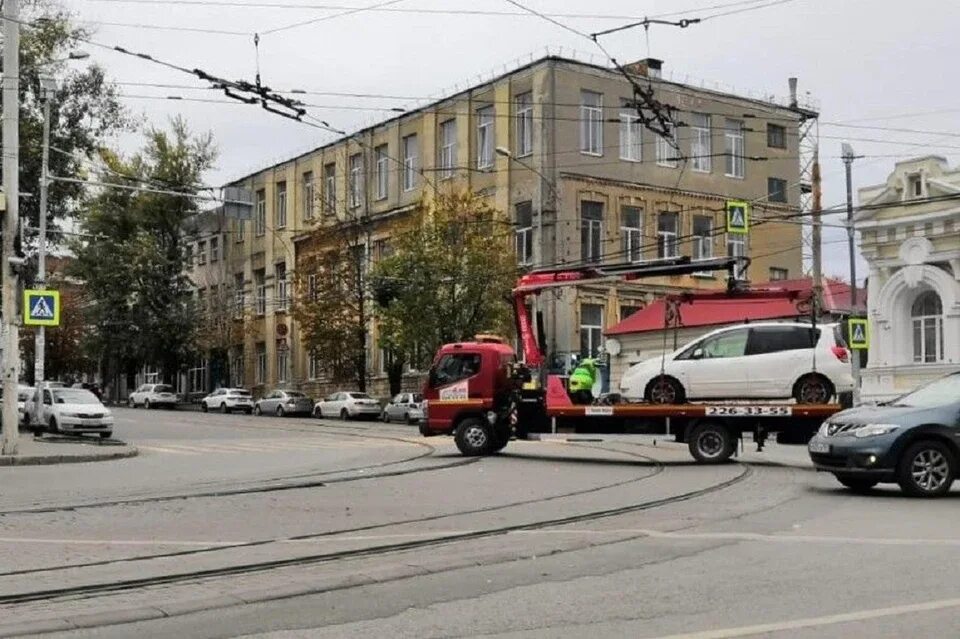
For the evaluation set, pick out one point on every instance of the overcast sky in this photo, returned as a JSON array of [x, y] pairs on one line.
[[875, 64]]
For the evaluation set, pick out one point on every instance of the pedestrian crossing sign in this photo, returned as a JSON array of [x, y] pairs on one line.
[[738, 217], [41, 308], [858, 333]]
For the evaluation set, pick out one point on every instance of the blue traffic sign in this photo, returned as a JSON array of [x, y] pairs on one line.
[[41, 308]]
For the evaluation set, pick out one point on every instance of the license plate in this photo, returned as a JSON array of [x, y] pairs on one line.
[[748, 411], [817, 446], [90, 422]]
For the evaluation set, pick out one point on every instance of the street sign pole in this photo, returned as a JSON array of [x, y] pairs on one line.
[[11, 219]]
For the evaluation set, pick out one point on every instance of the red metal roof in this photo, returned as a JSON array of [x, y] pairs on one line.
[[720, 311]]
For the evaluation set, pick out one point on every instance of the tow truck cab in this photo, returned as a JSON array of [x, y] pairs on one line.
[[470, 381]]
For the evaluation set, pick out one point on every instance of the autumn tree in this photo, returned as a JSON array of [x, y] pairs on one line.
[[331, 303], [449, 277]]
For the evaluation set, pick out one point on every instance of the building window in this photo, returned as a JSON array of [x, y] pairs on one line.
[[197, 377], [776, 136], [239, 229], [915, 185], [214, 250], [201, 302], [260, 221], [260, 291], [702, 238], [485, 137], [591, 328], [700, 143], [410, 156], [188, 255], [776, 189], [667, 148], [448, 148], [308, 195], [591, 123], [524, 233], [356, 180], [926, 315], [280, 276], [737, 247], [631, 232], [524, 124], [239, 300], [330, 188], [383, 171], [236, 368], [202, 252], [261, 372], [668, 226], [280, 218], [313, 366], [283, 363], [312, 287], [631, 145], [778, 274], [733, 141], [591, 231]]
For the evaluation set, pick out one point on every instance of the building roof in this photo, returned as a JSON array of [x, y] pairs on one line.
[[714, 311]]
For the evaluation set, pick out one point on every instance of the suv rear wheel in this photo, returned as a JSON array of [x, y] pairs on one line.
[[813, 389], [664, 389], [927, 469]]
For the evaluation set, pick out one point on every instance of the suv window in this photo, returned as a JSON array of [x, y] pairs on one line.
[[731, 344], [416, 398], [162, 388], [454, 367], [775, 339], [398, 399]]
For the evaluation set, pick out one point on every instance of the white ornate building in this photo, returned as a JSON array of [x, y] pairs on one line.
[[910, 236]]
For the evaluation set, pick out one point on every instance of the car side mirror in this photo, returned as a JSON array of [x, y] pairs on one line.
[[697, 353]]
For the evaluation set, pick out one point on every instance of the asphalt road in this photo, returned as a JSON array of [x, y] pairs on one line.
[[229, 525]]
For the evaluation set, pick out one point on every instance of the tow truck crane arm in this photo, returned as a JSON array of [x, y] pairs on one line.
[[539, 280]]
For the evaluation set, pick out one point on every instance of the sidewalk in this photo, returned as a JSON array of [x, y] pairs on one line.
[[66, 450]]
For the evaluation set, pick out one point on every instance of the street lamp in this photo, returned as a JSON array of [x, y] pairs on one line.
[[848, 158]]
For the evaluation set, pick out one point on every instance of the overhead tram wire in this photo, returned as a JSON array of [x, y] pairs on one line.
[[348, 12]]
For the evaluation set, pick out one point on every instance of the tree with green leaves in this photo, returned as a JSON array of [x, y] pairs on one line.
[[132, 258], [449, 278], [85, 111]]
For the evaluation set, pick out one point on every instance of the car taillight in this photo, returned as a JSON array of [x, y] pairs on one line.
[[841, 353]]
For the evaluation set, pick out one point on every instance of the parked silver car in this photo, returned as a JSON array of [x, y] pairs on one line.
[[405, 407], [153, 395], [283, 402]]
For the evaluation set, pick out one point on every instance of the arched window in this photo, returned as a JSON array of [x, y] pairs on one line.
[[927, 319]]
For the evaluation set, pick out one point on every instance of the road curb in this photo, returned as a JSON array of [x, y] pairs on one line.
[[43, 460]]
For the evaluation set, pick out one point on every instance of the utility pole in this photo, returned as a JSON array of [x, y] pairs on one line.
[[848, 158], [817, 235], [47, 88], [11, 219]]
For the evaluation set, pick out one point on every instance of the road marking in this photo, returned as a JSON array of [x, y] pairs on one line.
[[264, 446], [163, 449], [117, 542], [813, 622]]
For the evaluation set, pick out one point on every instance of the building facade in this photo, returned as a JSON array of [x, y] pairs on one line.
[[557, 146], [910, 236]]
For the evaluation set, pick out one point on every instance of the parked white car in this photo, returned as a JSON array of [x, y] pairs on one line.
[[227, 400], [404, 407], [152, 396], [347, 406], [73, 411], [755, 361], [25, 395]]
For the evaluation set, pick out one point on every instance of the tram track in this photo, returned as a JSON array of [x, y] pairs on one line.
[[96, 589]]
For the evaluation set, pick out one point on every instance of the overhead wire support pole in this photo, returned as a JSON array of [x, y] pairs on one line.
[[816, 215], [39, 362], [11, 219]]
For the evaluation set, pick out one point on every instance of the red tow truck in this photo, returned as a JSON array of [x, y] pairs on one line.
[[482, 395]]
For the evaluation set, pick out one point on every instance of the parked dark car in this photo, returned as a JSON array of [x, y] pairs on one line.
[[913, 441]]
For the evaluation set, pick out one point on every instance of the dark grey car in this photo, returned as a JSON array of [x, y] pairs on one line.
[[282, 402], [913, 441]]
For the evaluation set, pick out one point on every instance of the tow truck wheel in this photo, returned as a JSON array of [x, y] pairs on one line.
[[665, 390], [500, 440], [474, 437], [856, 483], [711, 443]]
